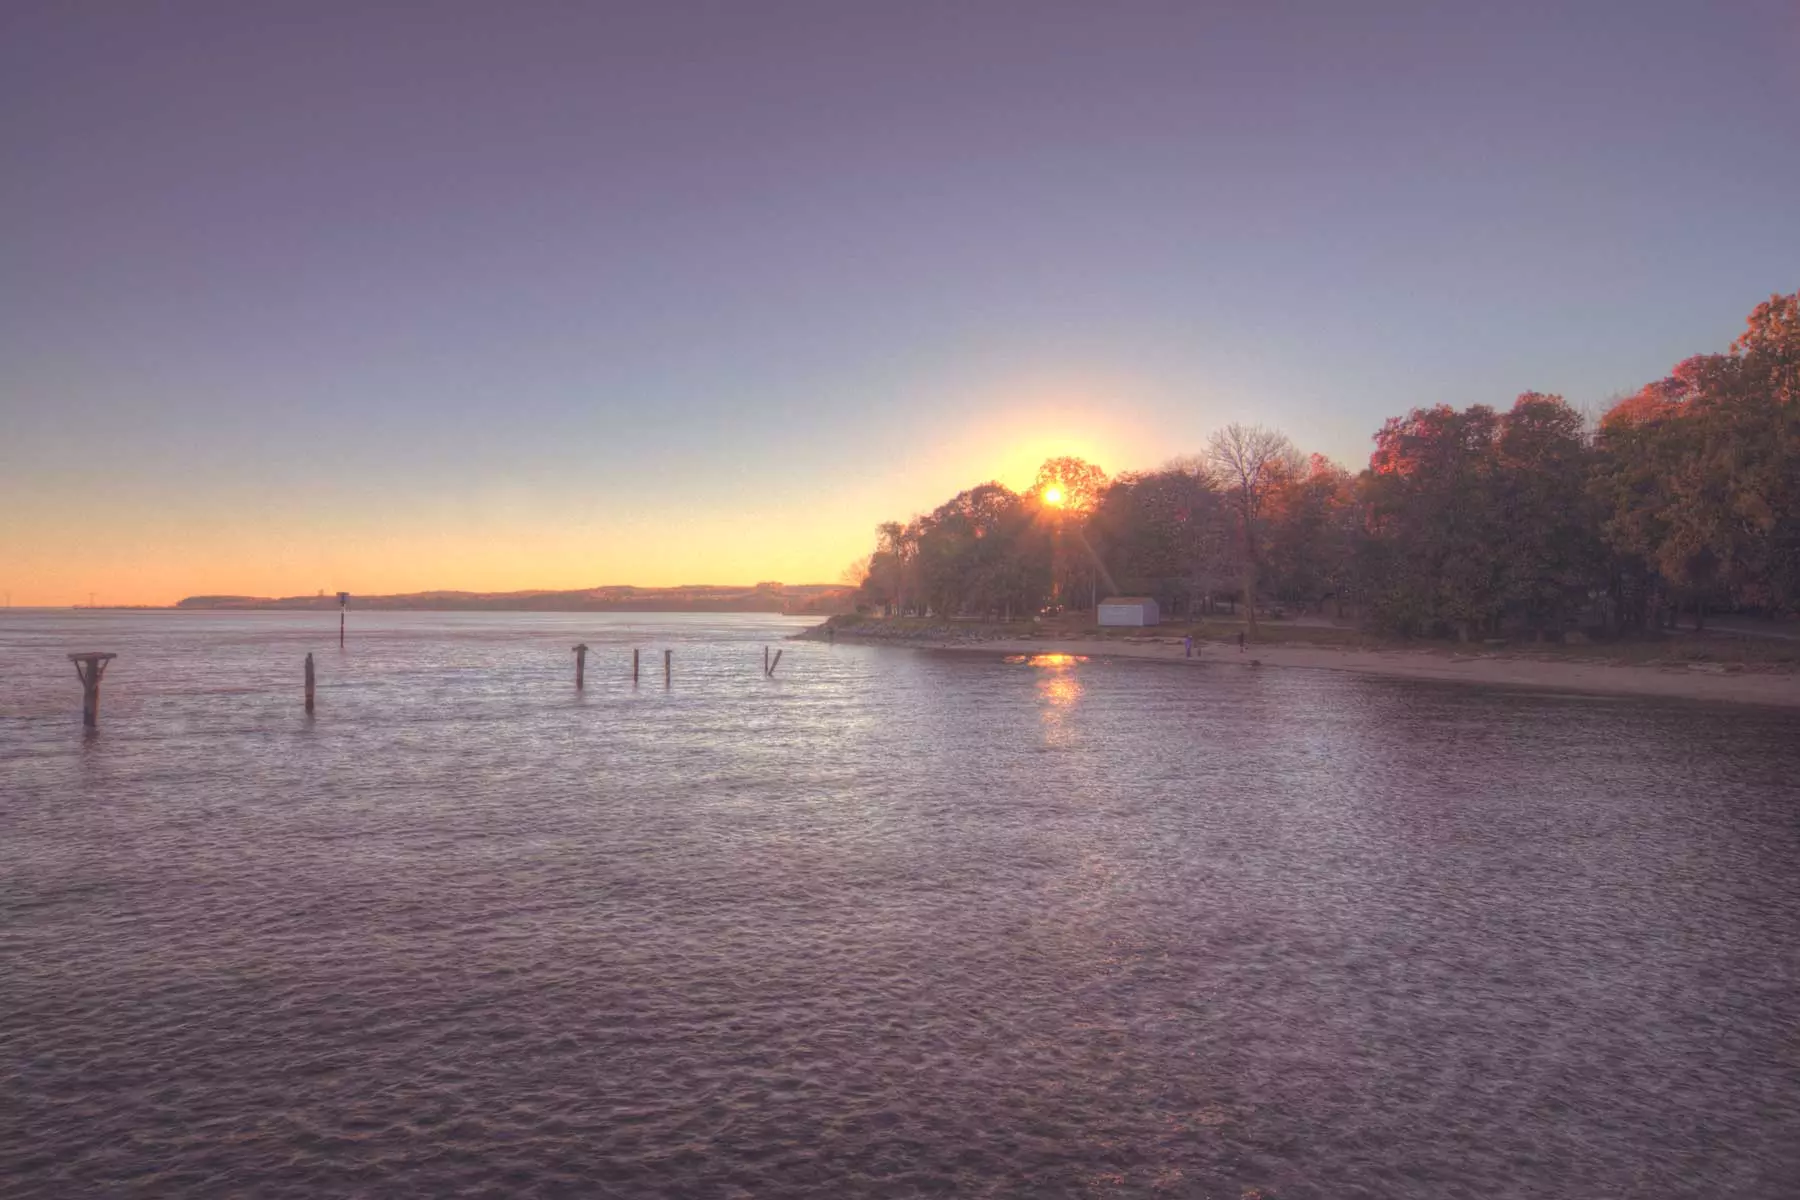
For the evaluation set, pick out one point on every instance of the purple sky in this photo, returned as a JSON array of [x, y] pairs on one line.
[[500, 295]]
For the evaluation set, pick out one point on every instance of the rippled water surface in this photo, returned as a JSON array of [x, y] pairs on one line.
[[887, 924]]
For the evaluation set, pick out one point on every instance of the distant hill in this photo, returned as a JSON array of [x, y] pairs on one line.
[[805, 598]]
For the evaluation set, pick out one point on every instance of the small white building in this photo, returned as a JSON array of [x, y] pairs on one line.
[[1136, 611]]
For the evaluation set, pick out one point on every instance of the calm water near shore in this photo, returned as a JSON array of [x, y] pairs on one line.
[[891, 923]]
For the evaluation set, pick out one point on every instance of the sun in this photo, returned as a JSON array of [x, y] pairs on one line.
[[1053, 496]]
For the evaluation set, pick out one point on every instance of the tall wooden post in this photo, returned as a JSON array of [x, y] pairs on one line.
[[580, 666], [773, 665], [765, 660], [343, 607], [89, 667], [667, 655], [634, 666], [309, 685]]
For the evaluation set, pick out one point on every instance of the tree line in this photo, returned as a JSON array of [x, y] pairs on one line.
[[1683, 498]]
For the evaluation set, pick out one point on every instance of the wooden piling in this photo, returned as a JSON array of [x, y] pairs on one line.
[[89, 667], [765, 660], [773, 665], [634, 666], [667, 656], [581, 666], [309, 685]]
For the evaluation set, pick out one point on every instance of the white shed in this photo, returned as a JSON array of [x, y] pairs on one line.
[[1129, 610]]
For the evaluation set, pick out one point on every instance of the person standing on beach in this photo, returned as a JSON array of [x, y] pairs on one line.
[[1188, 645]]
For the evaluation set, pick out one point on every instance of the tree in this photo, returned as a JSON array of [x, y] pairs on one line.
[[1434, 518], [1550, 550], [1764, 455], [893, 567], [1079, 481], [1686, 494], [1698, 475], [1311, 537], [982, 552], [1164, 534], [1769, 348], [1067, 489], [1248, 461]]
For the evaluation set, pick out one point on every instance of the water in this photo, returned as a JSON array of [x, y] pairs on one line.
[[889, 924]]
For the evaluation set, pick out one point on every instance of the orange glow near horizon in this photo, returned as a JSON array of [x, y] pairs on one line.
[[156, 553], [158, 558], [1018, 469], [1014, 426], [148, 535]]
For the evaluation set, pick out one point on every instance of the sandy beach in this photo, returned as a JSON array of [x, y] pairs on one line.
[[1705, 681]]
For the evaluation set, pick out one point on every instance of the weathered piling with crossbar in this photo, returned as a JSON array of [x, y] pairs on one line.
[[580, 666], [89, 667], [309, 685]]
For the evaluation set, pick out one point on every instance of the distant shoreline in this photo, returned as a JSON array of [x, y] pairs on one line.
[[772, 610], [647, 606], [1708, 682], [803, 599]]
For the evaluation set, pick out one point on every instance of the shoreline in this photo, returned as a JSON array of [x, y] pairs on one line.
[[1705, 682]]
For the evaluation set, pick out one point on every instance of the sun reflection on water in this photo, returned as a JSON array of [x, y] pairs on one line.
[[1046, 660], [1058, 688]]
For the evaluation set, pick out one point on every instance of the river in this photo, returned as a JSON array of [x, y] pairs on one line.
[[889, 923]]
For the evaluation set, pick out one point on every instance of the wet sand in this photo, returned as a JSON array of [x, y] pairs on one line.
[[1711, 682]]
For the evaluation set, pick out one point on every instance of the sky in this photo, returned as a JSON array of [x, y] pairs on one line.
[[395, 297]]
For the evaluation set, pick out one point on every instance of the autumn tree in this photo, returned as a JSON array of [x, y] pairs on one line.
[[1434, 520], [1549, 550], [1313, 520], [1080, 482], [971, 551], [1698, 475], [1764, 459], [893, 567], [1164, 534], [1068, 488], [1687, 494], [1248, 461]]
